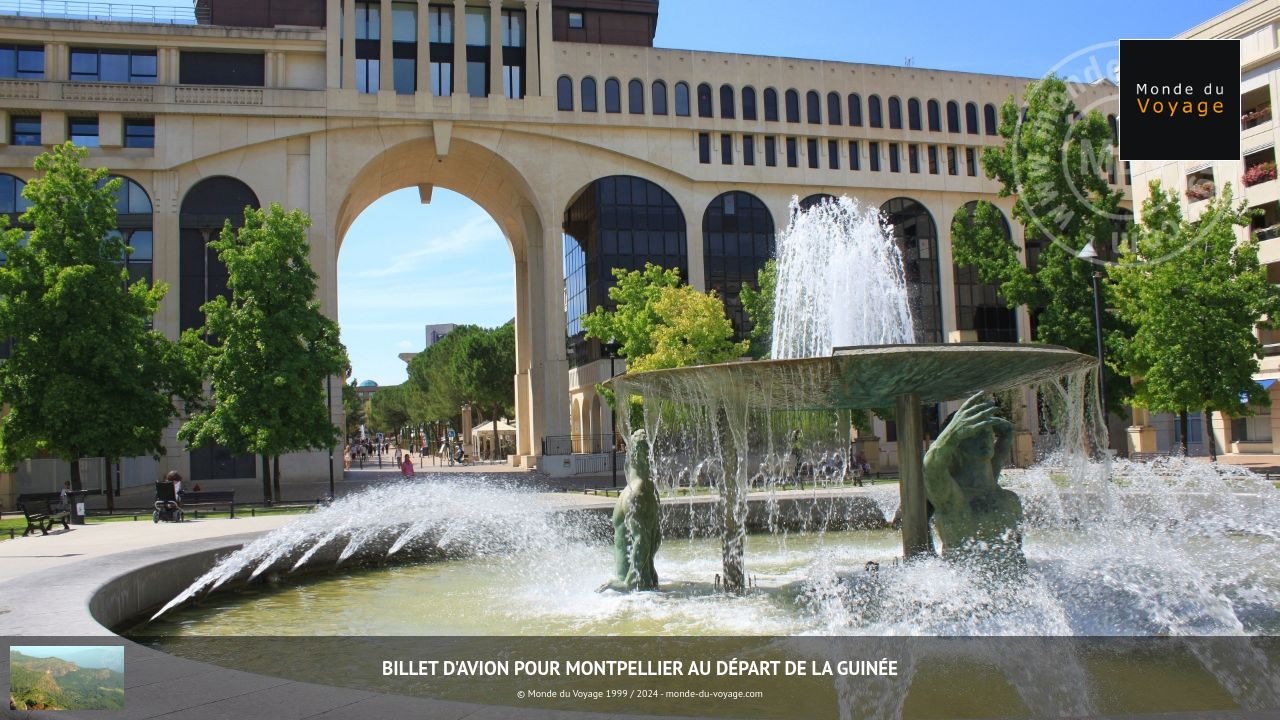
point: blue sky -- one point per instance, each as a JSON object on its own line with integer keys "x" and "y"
{"x": 404, "y": 265}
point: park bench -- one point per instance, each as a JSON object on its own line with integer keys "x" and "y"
{"x": 210, "y": 498}
{"x": 42, "y": 513}
{"x": 1144, "y": 457}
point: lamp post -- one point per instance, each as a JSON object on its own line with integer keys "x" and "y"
{"x": 1088, "y": 254}
{"x": 328, "y": 396}
{"x": 611, "y": 348}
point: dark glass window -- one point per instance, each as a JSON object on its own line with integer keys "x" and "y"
{"x": 726, "y": 149}
{"x": 953, "y": 116}
{"x": 993, "y": 125}
{"x": 935, "y": 116}
{"x": 576, "y": 20}
{"x": 971, "y": 118}
{"x": 221, "y": 68}
{"x": 855, "y": 110}
{"x": 933, "y": 159}
{"x": 749, "y": 103}
{"x": 971, "y": 161}
{"x": 953, "y": 166}
{"x": 512, "y": 52}
{"x": 737, "y": 236}
{"x": 917, "y": 238}
{"x": 895, "y": 113}
{"x": 913, "y": 114}
{"x": 895, "y": 163}
{"x": 704, "y": 101}
{"x": 913, "y": 158}
{"x": 873, "y": 156}
{"x": 771, "y": 151}
{"x": 793, "y": 106}
{"x": 682, "y": 99}
{"x": 770, "y": 105}
{"x": 440, "y": 49}
{"x": 833, "y": 154}
{"x": 855, "y": 162}
{"x": 612, "y": 96}
{"x": 793, "y": 153}
{"x": 616, "y": 222}
{"x": 635, "y": 97}
{"x": 979, "y": 306}
{"x": 11, "y": 201}
{"x": 24, "y": 130}
{"x": 748, "y": 150}
{"x": 811, "y": 149}
{"x": 83, "y": 131}
{"x": 133, "y": 222}
{"x": 834, "y": 116}
{"x": 24, "y": 62}
{"x": 873, "y": 111}
{"x": 201, "y": 275}
{"x": 115, "y": 66}
{"x": 564, "y": 93}
{"x": 813, "y": 107}
{"x": 588, "y": 94}
{"x": 475, "y": 29}
{"x": 704, "y": 148}
{"x": 658, "y": 92}
{"x": 816, "y": 199}
{"x": 726, "y": 102}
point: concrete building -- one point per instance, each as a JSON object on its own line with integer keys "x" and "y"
{"x": 1253, "y": 178}
{"x": 590, "y": 148}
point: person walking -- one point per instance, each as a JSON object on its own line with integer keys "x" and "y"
{"x": 406, "y": 466}
{"x": 346, "y": 458}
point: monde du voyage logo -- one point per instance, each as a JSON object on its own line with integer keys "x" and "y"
{"x": 1180, "y": 99}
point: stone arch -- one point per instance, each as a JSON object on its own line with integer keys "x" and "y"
{"x": 917, "y": 236}
{"x": 815, "y": 199}
{"x": 979, "y": 307}
{"x": 576, "y": 429}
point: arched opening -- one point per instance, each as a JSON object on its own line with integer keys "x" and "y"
{"x": 874, "y": 116}
{"x": 635, "y": 97}
{"x": 815, "y": 199}
{"x": 726, "y": 102}
{"x": 813, "y": 107}
{"x": 855, "y": 110}
{"x": 704, "y": 101}
{"x": 659, "y": 92}
{"x": 682, "y": 99}
{"x": 133, "y": 223}
{"x": 953, "y": 116}
{"x": 770, "y": 105}
{"x": 620, "y": 221}
{"x": 564, "y": 93}
{"x": 979, "y": 306}
{"x": 12, "y": 204}
{"x": 935, "y": 116}
{"x": 737, "y": 237}
{"x": 913, "y": 114}
{"x": 588, "y": 94}
{"x": 749, "y": 103}
{"x": 917, "y": 238}
{"x": 971, "y": 118}
{"x": 612, "y": 96}
{"x": 895, "y": 113}
{"x": 990, "y": 120}
{"x": 834, "y": 116}
{"x": 793, "y": 106}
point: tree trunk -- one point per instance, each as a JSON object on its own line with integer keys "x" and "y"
{"x": 111, "y": 495}
{"x": 266, "y": 480}
{"x": 75, "y": 474}
{"x": 275, "y": 476}
{"x": 1183, "y": 427}
{"x": 1208, "y": 431}
{"x": 496, "y": 453}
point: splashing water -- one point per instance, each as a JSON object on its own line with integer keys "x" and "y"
{"x": 840, "y": 282}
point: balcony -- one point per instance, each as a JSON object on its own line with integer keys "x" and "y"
{"x": 105, "y": 12}
{"x": 49, "y": 94}
{"x": 1256, "y": 117}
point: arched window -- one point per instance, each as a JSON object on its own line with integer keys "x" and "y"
{"x": 588, "y": 94}
{"x": 855, "y": 110}
{"x": 635, "y": 97}
{"x": 12, "y": 204}
{"x": 953, "y": 116}
{"x": 770, "y": 105}
{"x": 202, "y": 277}
{"x": 659, "y": 93}
{"x": 979, "y": 306}
{"x": 895, "y": 113}
{"x": 612, "y": 96}
{"x": 564, "y": 93}
{"x": 618, "y": 221}
{"x": 704, "y": 101}
{"x": 873, "y": 112}
{"x": 971, "y": 118}
{"x": 749, "y": 103}
{"x": 726, "y": 102}
{"x": 737, "y": 237}
{"x": 813, "y": 107}
{"x": 992, "y": 124}
{"x": 682, "y": 99}
{"x": 1115, "y": 129}
{"x": 913, "y": 115}
{"x": 834, "y": 116}
{"x": 917, "y": 238}
{"x": 133, "y": 222}
{"x": 793, "y": 106}
{"x": 816, "y": 199}
{"x": 935, "y": 116}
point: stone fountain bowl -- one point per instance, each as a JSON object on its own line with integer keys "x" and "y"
{"x": 870, "y": 376}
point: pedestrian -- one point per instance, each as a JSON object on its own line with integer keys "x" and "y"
{"x": 397, "y": 455}
{"x": 406, "y": 467}
{"x": 65, "y": 496}
{"x": 346, "y": 458}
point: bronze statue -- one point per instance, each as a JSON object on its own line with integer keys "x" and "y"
{"x": 636, "y": 517}
{"x": 973, "y": 515}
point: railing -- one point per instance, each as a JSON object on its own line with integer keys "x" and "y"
{"x": 1267, "y": 233}
{"x": 571, "y": 444}
{"x": 219, "y": 95}
{"x": 106, "y": 11}
{"x": 19, "y": 89}
{"x": 108, "y": 92}
{"x": 1255, "y": 118}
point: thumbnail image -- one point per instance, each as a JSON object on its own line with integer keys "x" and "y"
{"x": 66, "y": 677}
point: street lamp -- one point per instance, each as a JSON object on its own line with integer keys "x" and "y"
{"x": 1089, "y": 254}
{"x": 611, "y": 348}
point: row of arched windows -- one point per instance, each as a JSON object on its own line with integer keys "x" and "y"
{"x": 917, "y": 117}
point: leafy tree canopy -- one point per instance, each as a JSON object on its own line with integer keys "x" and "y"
{"x": 758, "y": 305}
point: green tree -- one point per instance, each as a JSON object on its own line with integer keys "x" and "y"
{"x": 87, "y": 375}
{"x": 758, "y": 305}
{"x": 432, "y": 374}
{"x": 352, "y": 408}
{"x": 1194, "y": 295}
{"x": 1056, "y": 166}
{"x": 270, "y": 347}
{"x": 389, "y": 409}
{"x": 483, "y": 367}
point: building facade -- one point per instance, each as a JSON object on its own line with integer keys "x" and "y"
{"x": 590, "y": 148}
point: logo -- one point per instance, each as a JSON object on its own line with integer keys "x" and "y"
{"x": 1180, "y": 99}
